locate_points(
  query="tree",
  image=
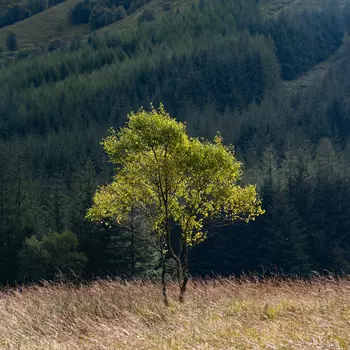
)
(177, 183)
(147, 16)
(54, 45)
(120, 13)
(11, 41)
(81, 13)
(43, 258)
(57, 203)
(36, 6)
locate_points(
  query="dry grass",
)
(219, 314)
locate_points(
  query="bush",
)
(54, 45)
(147, 16)
(53, 253)
(167, 7)
(103, 16)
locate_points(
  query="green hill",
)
(39, 30)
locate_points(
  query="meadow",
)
(218, 314)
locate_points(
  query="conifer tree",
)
(11, 41)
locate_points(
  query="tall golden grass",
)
(218, 314)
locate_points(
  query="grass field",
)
(218, 314)
(40, 29)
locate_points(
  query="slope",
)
(274, 7)
(317, 72)
(156, 6)
(38, 30)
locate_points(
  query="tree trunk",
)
(185, 276)
(175, 257)
(165, 295)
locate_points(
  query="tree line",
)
(103, 13)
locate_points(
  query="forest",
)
(218, 66)
(103, 13)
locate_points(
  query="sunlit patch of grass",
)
(218, 314)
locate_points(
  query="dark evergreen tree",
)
(11, 41)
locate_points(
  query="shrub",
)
(42, 258)
(147, 16)
(54, 45)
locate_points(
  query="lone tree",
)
(11, 41)
(175, 182)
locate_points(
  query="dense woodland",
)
(105, 12)
(218, 65)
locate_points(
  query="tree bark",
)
(132, 253)
(165, 295)
(185, 276)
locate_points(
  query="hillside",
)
(40, 29)
(274, 7)
(219, 314)
(156, 6)
(318, 72)
(37, 31)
